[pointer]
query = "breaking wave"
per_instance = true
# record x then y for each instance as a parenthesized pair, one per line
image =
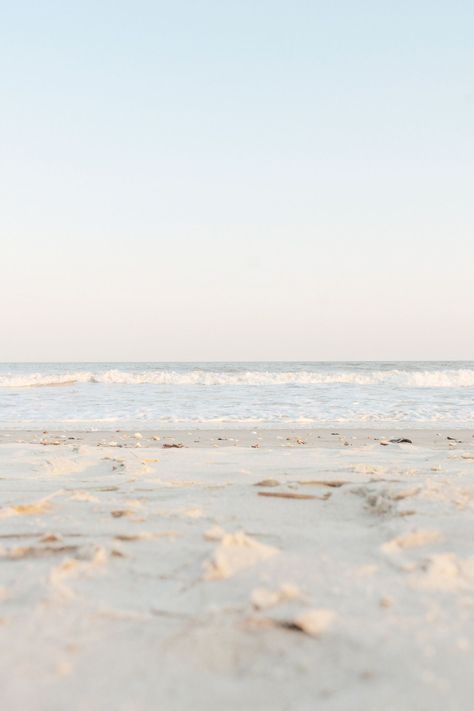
(453, 378)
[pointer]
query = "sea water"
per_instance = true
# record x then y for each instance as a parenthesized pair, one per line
(263, 394)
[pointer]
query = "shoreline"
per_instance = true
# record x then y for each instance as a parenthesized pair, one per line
(231, 437)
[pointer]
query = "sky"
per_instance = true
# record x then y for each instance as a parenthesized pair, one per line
(252, 180)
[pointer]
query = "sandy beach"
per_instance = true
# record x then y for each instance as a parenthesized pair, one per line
(237, 356)
(255, 569)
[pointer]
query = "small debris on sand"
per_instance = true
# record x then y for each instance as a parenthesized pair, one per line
(333, 483)
(50, 538)
(121, 513)
(19, 552)
(145, 536)
(314, 622)
(311, 622)
(291, 495)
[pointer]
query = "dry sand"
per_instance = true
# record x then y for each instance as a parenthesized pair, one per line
(245, 570)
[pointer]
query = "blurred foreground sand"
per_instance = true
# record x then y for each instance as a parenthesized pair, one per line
(261, 570)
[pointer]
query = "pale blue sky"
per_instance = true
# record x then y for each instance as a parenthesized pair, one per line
(236, 180)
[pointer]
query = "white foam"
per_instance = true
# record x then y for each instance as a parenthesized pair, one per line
(452, 378)
(32, 380)
(134, 396)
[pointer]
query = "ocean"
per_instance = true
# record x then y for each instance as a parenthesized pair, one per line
(211, 395)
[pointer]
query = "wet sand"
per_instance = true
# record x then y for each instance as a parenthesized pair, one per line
(322, 437)
(277, 569)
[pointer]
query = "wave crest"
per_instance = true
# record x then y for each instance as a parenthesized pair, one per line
(452, 378)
